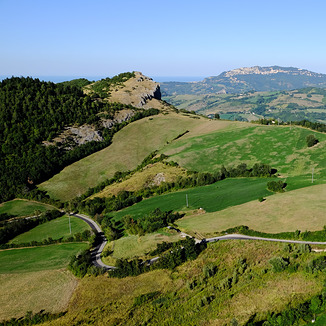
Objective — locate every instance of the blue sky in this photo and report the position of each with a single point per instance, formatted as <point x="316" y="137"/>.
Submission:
<point x="159" y="38"/>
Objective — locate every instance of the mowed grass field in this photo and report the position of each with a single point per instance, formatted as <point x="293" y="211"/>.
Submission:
<point x="36" y="278"/>
<point x="50" y="290"/>
<point x="211" y="198"/>
<point x="282" y="147"/>
<point x="22" y="207"/>
<point x="301" y="209"/>
<point x="56" y="229"/>
<point x="38" y="258"/>
<point x="128" y="149"/>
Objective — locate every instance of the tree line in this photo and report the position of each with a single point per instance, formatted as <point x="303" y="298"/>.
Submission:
<point x="32" y="111"/>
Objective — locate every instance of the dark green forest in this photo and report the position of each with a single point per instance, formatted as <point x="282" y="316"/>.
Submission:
<point x="32" y="111"/>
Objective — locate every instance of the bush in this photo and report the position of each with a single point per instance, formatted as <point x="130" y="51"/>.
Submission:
<point x="276" y="186"/>
<point x="279" y="264"/>
<point x="311" y="140"/>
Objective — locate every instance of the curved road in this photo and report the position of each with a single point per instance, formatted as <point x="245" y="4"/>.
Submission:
<point x="248" y="237"/>
<point x="96" y="252"/>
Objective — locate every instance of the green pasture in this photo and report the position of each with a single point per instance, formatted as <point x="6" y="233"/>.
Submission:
<point x="56" y="229"/>
<point x="211" y="198"/>
<point x="282" y="147"/>
<point x="22" y="207"/>
<point x="38" y="258"/>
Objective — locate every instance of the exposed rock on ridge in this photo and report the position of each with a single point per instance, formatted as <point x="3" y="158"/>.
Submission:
<point x="79" y="135"/>
<point x="140" y="91"/>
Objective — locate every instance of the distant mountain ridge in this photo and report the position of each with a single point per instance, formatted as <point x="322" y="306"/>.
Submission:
<point x="274" y="78"/>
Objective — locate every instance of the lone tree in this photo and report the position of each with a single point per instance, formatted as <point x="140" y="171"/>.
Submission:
<point x="217" y="116"/>
<point x="311" y="140"/>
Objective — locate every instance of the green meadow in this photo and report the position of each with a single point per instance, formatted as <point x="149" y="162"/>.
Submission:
<point x="22" y="207"/>
<point x="38" y="258"/>
<point x="56" y="229"/>
<point x="282" y="147"/>
<point x="211" y="198"/>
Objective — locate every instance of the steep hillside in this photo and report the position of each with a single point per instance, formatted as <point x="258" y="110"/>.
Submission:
<point x="129" y="147"/>
<point x="247" y="79"/>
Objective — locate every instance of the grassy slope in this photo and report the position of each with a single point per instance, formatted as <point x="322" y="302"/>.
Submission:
<point x="282" y="147"/>
<point x="258" y="290"/>
<point x="136" y="246"/>
<point x="211" y="198"/>
<point x="22" y="207"/>
<point x="302" y="209"/>
<point x="50" y="290"/>
<point x="56" y="229"/>
<point x="142" y="178"/>
<point x="130" y="146"/>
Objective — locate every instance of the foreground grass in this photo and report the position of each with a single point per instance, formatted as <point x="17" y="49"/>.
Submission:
<point x="22" y="207"/>
<point x="302" y="209"/>
<point x="255" y="291"/>
<point x="56" y="229"/>
<point x="211" y="198"/>
<point x="38" y="258"/>
<point x="50" y="290"/>
<point x="129" y="147"/>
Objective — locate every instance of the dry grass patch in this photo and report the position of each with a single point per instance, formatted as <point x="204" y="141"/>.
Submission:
<point x="151" y="175"/>
<point x="34" y="291"/>
<point x="302" y="209"/>
<point x="134" y="245"/>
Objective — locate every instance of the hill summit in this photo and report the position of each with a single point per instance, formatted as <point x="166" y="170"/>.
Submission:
<point x="274" y="78"/>
<point x="133" y="89"/>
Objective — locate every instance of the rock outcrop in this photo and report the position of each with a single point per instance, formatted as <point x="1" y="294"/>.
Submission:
<point x="140" y="91"/>
<point x="78" y="135"/>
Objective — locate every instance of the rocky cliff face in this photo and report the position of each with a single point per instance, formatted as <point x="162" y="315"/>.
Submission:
<point x="79" y="135"/>
<point x="139" y="91"/>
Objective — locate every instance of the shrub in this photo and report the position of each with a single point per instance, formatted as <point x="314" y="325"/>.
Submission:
<point x="278" y="264"/>
<point x="311" y="140"/>
<point x="276" y="186"/>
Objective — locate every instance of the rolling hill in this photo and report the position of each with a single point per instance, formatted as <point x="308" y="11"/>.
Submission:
<point x="212" y="287"/>
<point x="241" y="80"/>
